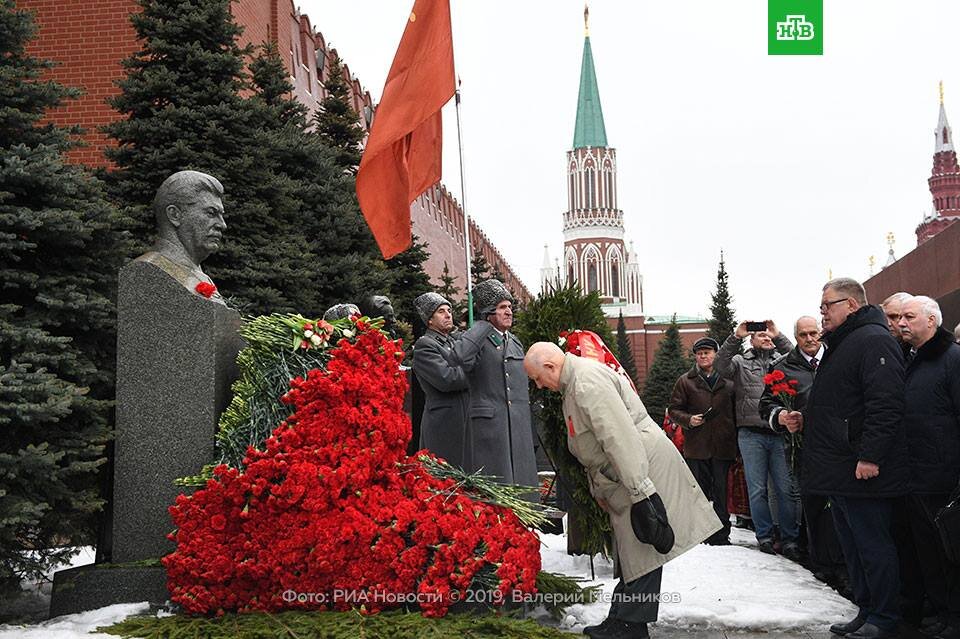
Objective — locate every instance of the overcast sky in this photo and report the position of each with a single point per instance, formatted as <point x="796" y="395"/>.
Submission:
<point x="794" y="165"/>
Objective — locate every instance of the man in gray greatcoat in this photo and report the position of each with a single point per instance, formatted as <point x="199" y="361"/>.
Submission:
<point x="500" y="419"/>
<point x="445" y="426"/>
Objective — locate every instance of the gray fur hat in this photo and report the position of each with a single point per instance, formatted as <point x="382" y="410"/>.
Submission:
<point x="428" y="303"/>
<point x="486" y="296"/>
<point x="340" y="311"/>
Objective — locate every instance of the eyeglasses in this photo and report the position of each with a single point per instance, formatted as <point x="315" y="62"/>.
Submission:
<point x="827" y="305"/>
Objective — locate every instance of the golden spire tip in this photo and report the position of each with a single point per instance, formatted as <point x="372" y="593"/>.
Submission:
<point x="941" y="91"/>
<point x="586" y="20"/>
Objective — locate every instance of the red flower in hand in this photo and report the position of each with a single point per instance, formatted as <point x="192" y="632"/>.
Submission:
<point x="206" y="289"/>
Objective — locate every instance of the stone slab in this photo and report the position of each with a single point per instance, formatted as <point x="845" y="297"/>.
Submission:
<point x="98" y="585"/>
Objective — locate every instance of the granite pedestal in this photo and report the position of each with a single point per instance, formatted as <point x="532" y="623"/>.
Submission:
<point x="176" y="360"/>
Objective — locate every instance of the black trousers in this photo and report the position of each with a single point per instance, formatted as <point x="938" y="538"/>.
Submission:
<point x="637" y="601"/>
<point x="925" y="570"/>
<point x="711" y="474"/>
<point x="864" y="530"/>
<point x="823" y="547"/>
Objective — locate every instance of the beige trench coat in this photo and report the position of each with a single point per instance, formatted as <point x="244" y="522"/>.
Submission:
<point x="628" y="458"/>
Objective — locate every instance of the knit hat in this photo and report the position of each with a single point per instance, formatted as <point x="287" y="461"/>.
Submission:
<point x="428" y="303"/>
<point x="706" y="342"/>
<point x="487" y="294"/>
<point x="340" y="311"/>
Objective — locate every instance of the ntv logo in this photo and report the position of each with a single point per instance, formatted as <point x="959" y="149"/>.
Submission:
<point x="795" y="28"/>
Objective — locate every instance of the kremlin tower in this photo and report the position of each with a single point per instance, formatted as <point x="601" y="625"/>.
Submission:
<point x="594" y="253"/>
<point x="944" y="181"/>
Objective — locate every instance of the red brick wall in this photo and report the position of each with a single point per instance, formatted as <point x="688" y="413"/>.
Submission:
<point x="645" y="339"/>
<point x="932" y="269"/>
<point x="87" y="39"/>
<point x="438" y="221"/>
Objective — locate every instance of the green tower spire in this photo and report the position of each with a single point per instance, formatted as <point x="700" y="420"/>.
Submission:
<point x="589" y="130"/>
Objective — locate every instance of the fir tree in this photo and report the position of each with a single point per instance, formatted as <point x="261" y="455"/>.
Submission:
<point x="449" y="289"/>
<point x="624" y="350"/>
<point x="59" y="253"/>
<point x="479" y="267"/>
<point x="336" y="121"/>
<point x="722" y="315"/>
<point x="407" y="279"/>
<point x="669" y="363"/>
<point x="563" y="309"/>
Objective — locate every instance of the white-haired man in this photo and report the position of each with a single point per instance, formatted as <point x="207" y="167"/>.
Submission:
<point x="892" y="307"/>
<point x="932" y="421"/>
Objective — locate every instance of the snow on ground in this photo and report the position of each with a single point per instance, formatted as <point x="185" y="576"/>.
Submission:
<point x="732" y="587"/>
<point x="75" y="626"/>
<point x="717" y="587"/>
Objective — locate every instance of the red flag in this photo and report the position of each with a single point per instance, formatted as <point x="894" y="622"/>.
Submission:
<point x="402" y="158"/>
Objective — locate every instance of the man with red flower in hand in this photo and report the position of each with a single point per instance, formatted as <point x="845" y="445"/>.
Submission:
<point x="189" y="211"/>
<point x="656" y="508"/>
<point x="798" y="369"/>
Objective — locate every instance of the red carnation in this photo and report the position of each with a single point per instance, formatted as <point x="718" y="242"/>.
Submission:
<point x="206" y="289"/>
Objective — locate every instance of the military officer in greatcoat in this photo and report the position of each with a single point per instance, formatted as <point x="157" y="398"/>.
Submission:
<point x="500" y="418"/>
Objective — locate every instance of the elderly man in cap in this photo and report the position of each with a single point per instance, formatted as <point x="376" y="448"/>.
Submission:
<point x="702" y="403"/>
<point x="657" y="511"/>
<point x="500" y="419"/>
<point x="438" y="364"/>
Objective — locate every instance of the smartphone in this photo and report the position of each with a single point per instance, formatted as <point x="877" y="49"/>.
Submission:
<point x="755" y="327"/>
<point x="709" y="414"/>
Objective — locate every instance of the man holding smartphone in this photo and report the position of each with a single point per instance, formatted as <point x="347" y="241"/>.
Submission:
<point x="762" y="449"/>
<point x="702" y="403"/>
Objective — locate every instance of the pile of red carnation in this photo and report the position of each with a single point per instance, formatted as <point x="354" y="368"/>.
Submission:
<point x="334" y="515"/>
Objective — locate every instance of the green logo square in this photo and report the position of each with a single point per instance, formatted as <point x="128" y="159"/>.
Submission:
<point x="795" y="27"/>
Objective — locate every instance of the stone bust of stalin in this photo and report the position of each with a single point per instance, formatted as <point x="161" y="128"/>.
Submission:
<point x="189" y="210"/>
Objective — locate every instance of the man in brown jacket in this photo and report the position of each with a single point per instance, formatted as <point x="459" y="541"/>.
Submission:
<point x="702" y="403"/>
<point x="657" y="511"/>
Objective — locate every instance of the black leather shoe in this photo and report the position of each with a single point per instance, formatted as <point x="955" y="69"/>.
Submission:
<point x="870" y="631"/>
<point x="618" y="629"/>
<point x="846" y="628"/>
<point x="767" y="547"/>
<point x="591" y="630"/>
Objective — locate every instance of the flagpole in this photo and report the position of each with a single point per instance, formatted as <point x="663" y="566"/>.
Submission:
<point x="466" y="216"/>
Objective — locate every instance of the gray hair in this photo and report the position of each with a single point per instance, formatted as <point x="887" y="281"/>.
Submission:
<point x="796" y="325"/>
<point x="899" y="298"/>
<point x="849" y="287"/>
<point x="928" y="307"/>
<point x="182" y="189"/>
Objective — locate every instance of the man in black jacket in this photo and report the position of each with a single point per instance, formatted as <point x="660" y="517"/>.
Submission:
<point x="853" y="449"/>
<point x="932" y="420"/>
<point x="800" y="364"/>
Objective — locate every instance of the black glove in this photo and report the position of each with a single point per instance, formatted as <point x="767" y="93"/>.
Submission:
<point x="650" y="525"/>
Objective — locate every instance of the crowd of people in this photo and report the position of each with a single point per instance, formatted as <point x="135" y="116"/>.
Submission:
<point x="857" y="459"/>
<point x="849" y="441"/>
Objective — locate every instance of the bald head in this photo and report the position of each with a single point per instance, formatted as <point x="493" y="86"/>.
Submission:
<point x="543" y="364"/>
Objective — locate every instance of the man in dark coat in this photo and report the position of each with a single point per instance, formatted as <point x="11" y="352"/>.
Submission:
<point x="762" y="449"/>
<point x="501" y="423"/>
<point x="932" y="422"/>
<point x="702" y="403"/>
<point x="853" y="449"/>
<point x="800" y="365"/>
<point x="437" y="365"/>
